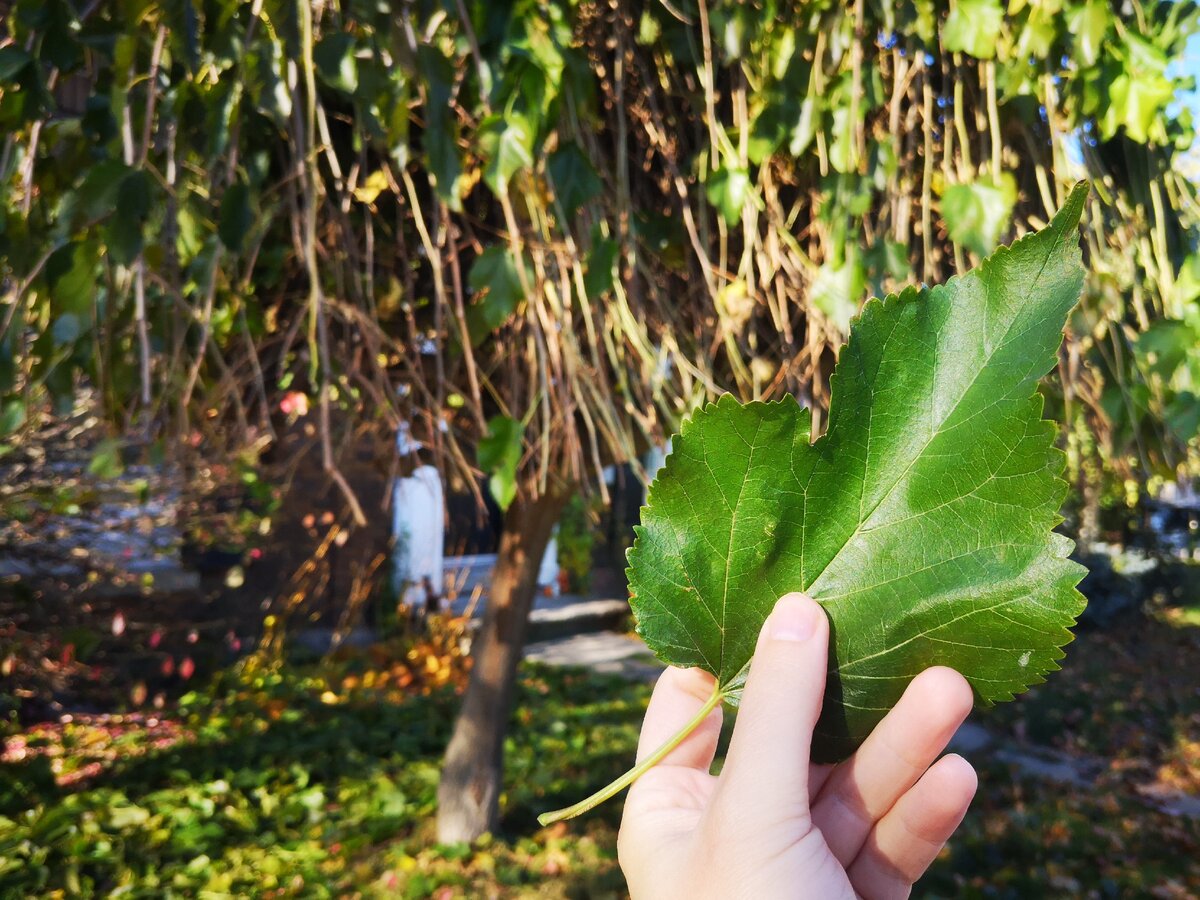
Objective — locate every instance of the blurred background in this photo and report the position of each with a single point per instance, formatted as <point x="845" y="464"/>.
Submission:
<point x="338" y="341"/>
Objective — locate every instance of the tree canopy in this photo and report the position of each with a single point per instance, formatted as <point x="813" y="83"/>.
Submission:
<point x="549" y="231"/>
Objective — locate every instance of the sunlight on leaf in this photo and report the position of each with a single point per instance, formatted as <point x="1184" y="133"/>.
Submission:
<point x="921" y="520"/>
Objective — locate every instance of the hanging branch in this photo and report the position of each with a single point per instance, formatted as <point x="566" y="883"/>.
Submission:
<point x="318" y="333"/>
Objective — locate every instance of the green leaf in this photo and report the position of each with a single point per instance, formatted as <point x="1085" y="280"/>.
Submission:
<point x="1165" y="345"/>
<point x="66" y="329"/>
<point x="886" y="259"/>
<point x="1036" y="38"/>
<point x="106" y="461"/>
<point x="124" y="231"/>
<point x="1138" y="93"/>
<point x="499" y="454"/>
<point x="1182" y="416"/>
<point x="599" y="278"/>
<point x="125" y="817"/>
<point x="274" y="97"/>
<point x="59" y="47"/>
<point x="648" y="30"/>
<point x="12" y="60"/>
<point x="494" y="276"/>
<point x="71" y="276"/>
<point x="728" y="187"/>
<point x="921" y="520"/>
<point x="1136" y="103"/>
<point x="1088" y="22"/>
<point x="575" y="181"/>
<point x="805" y="127"/>
<point x="440" y="138"/>
<point x="838" y="289"/>
<point x="1187" y="282"/>
<point x="972" y="27"/>
<point x="507" y="143"/>
<point x="96" y="196"/>
<point x="924" y="20"/>
<point x="12" y="417"/>
<point x="184" y="33"/>
<point x="977" y="213"/>
<point x="236" y="216"/>
<point x="335" y="62"/>
<point x="841" y="145"/>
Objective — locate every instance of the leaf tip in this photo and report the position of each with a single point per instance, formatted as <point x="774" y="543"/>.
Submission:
<point x="1069" y="214"/>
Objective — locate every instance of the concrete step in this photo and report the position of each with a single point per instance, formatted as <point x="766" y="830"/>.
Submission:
<point x="606" y="652"/>
<point x="578" y="617"/>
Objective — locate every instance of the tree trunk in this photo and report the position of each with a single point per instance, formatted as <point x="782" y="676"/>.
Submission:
<point x="473" y="770"/>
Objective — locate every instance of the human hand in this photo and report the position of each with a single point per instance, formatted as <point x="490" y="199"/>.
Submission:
<point x="772" y="825"/>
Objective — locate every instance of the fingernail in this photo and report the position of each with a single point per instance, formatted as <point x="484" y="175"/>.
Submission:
<point x="793" y="619"/>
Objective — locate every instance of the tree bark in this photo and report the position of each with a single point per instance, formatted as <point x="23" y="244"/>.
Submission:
<point x="473" y="769"/>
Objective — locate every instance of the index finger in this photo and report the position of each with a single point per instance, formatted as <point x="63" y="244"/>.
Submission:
<point x="678" y="697"/>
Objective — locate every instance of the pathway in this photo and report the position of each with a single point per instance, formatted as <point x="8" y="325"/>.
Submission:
<point x="613" y="653"/>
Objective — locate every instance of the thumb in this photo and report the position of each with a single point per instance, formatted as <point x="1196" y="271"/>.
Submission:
<point x="766" y="769"/>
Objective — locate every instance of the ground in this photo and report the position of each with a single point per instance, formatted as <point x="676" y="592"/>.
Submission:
<point x="320" y="780"/>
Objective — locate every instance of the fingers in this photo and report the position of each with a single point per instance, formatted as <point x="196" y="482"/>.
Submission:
<point x="909" y="837"/>
<point x="891" y="760"/>
<point x="766" y="771"/>
<point x="677" y="698"/>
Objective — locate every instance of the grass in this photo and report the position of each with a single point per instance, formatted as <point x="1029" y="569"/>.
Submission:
<point x="267" y="788"/>
<point x="305" y="783"/>
<point x="1127" y="705"/>
<point x="1128" y="697"/>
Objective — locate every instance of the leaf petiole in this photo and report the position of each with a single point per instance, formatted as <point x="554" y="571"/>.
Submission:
<point x="640" y="769"/>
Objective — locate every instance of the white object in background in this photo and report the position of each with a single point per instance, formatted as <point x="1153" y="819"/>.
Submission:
<point x="654" y="459"/>
<point x="404" y="440"/>
<point x="1180" y="493"/>
<point x="418" y="527"/>
<point x="548" y="570"/>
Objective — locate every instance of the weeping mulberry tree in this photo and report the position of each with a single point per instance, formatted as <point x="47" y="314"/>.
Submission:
<point x="544" y="232"/>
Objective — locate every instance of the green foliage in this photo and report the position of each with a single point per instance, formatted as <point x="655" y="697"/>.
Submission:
<point x="728" y="189"/>
<point x="106" y="462"/>
<point x="334" y="57"/>
<point x="973" y="27"/>
<point x="921" y="519"/>
<point x="576" y="182"/>
<point x="268" y="787"/>
<point x="134" y="202"/>
<point x="576" y="540"/>
<point x="159" y="161"/>
<point x="12" y="417"/>
<point x="494" y="276"/>
<point x="507" y="144"/>
<point x="499" y="456"/>
<point x="976" y="214"/>
<point x="1138" y="92"/>
<point x="837" y="288"/>
<point x="235" y="217"/>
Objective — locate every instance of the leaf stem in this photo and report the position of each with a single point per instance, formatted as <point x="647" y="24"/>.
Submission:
<point x="640" y="769"/>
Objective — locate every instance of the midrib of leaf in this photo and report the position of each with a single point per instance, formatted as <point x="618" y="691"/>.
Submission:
<point x="937" y="431"/>
<point x="753" y="445"/>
